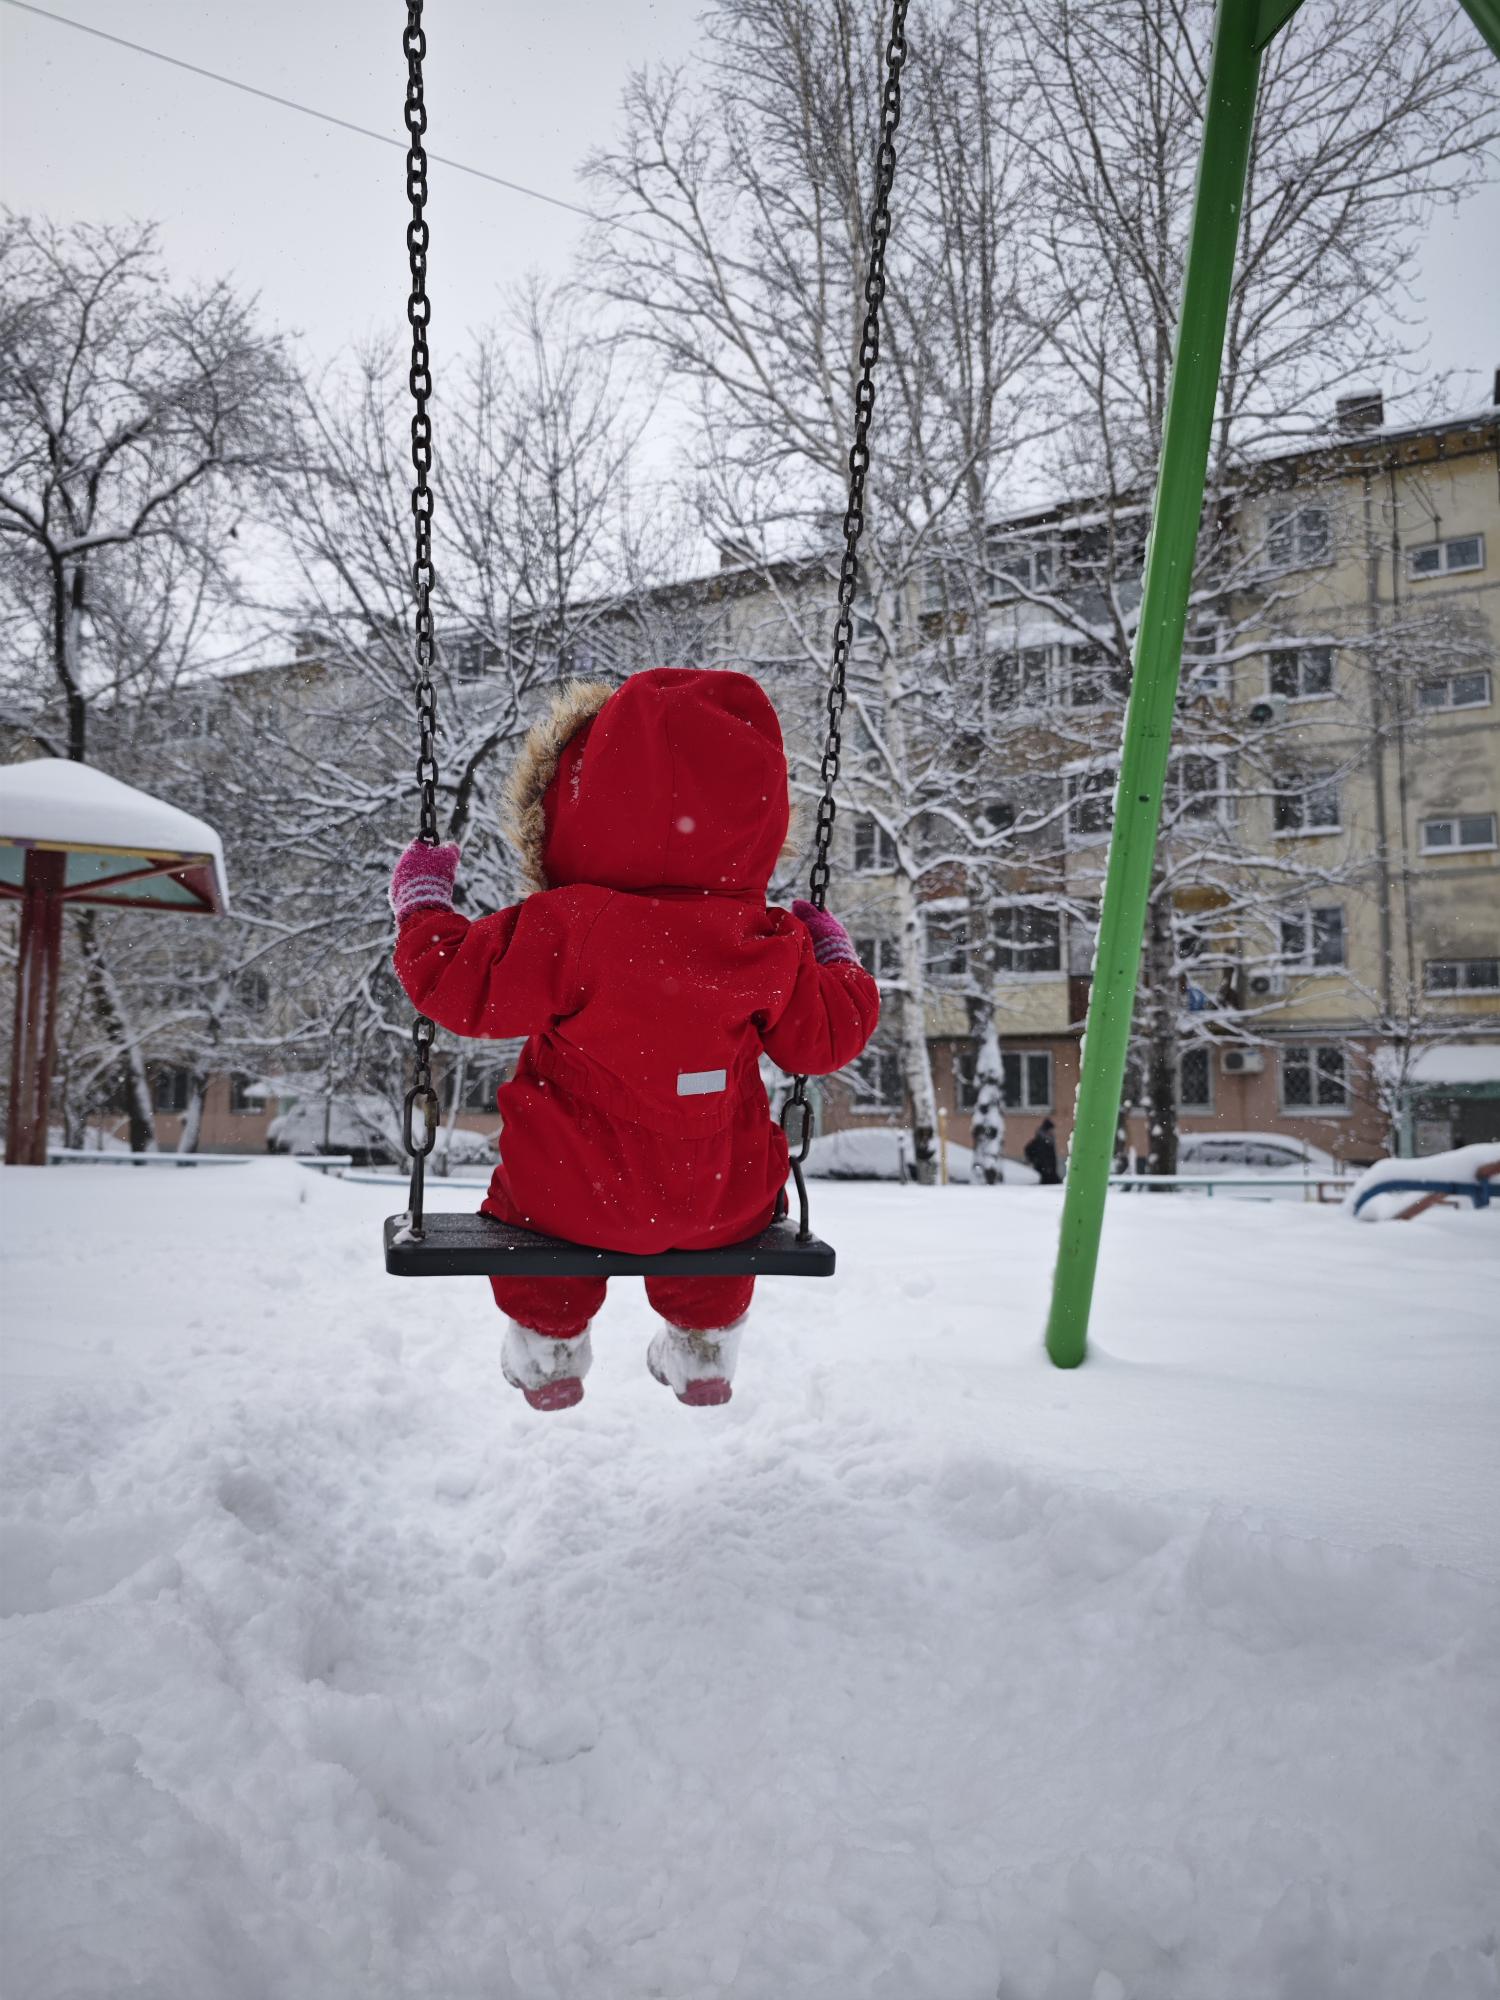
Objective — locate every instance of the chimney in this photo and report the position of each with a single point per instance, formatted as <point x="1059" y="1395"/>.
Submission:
<point x="1364" y="410"/>
<point x="1495" y="399"/>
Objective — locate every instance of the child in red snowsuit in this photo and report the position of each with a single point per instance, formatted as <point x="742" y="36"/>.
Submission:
<point x="648" y="973"/>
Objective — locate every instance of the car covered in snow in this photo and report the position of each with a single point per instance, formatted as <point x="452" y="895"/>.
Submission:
<point x="1252" y="1152"/>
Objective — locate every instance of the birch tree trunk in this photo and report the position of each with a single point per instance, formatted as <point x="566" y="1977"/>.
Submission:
<point x="989" y="1106"/>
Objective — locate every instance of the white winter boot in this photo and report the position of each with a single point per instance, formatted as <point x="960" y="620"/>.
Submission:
<point x="697" y="1367"/>
<point x="548" y="1372"/>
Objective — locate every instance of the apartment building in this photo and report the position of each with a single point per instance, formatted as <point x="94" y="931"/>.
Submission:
<point x="1329" y="836"/>
<point x="1329" y="893"/>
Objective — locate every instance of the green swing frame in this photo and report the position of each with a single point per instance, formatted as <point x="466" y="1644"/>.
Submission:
<point x="1243" y="30"/>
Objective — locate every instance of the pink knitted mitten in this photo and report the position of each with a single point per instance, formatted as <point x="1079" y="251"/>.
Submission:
<point x="423" y="879"/>
<point x="831" y="942"/>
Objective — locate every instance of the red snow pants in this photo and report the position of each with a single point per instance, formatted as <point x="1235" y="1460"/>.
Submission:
<point x="563" y="1307"/>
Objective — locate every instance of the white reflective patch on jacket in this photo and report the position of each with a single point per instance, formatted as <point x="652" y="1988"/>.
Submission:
<point x="701" y="1082"/>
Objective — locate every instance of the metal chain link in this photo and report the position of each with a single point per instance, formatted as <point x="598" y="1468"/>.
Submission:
<point x="854" y="521"/>
<point x="421" y="1096"/>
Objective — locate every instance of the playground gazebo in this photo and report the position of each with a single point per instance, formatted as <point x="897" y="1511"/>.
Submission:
<point x="71" y="834"/>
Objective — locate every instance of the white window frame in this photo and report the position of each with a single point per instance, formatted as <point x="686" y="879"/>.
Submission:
<point x="1086" y="660"/>
<point x="1174" y="799"/>
<point x="1009" y="945"/>
<point x="1032" y="668"/>
<point x="1023" y="1059"/>
<point x="879" y="955"/>
<point x="1446" y="566"/>
<point x="1204" y="1107"/>
<point x="1007" y="560"/>
<point x="170" y="1081"/>
<point x="886" y="1063"/>
<point x="1461" y="984"/>
<point x="882" y="840"/>
<point x="240" y="1104"/>
<point x="1293" y="517"/>
<point x="1306" y="960"/>
<point x="1447" y="683"/>
<point x="1077" y="795"/>
<point x="1299" y="655"/>
<point x="1301" y="786"/>
<point x="1455" y="845"/>
<point x="956" y="945"/>
<point x="1313" y="1051"/>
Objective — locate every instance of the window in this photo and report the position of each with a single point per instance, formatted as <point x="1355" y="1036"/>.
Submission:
<point x="1202" y="668"/>
<point x="1298" y="537"/>
<point x="1313" y="1078"/>
<point x="1307" y="802"/>
<point x="254" y="990"/>
<point x="874" y="846"/>
<point x="1459" y="552"/>
<point x="1463" y="975"/>
<point x="997" y="816"/>
<point x="468" y="658"/>
<point x="1027" y="939"/>
<point x="1020" y="679"/>
<point x="947" y="943"/>
<point x="1019" y="566"/>
<point x="1301" y="673"/>
<point x="1195" y="1088"/>
<point x="480" y="1086"/>
<point x="877" y="1083"/>
<point x="1312" y="938"/>
<point x="171" y="1086"/>
<point x="241" y="1103"/>
<point x="1091" y="676"/>
<point x="1445" y="836"/>
<point x="1091" y="803"/>
<point x="1028" y="1079"/>
<point x="1195" y="787"/>
<point x="880" y="955"/>
<point x="1471" y="690"/>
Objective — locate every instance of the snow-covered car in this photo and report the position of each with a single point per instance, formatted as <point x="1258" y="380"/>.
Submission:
<point x="1251" y="1152"/>
<point x="1275" y="1157"/>
<point x="884" y="1153"/>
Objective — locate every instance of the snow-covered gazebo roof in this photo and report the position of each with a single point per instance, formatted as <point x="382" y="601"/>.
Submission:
<point x="124" y="848"/>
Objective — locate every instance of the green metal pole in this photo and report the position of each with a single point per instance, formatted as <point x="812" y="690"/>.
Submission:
<point x="1234" y="73"/>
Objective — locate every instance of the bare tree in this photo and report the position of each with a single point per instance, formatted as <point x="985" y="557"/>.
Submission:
<point x="739" y="195"/>
<point x="538" y="552"/>
<point x="1369" y="115"/>
<point x="135" y="420"/>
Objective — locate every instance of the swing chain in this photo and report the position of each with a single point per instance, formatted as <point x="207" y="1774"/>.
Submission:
<point x="419" y="316"/>
<point x="854" y="521"/>
<point x="421" y="1097"/>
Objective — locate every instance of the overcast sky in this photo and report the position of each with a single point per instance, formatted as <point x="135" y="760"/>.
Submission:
<point x="311" y="217"/>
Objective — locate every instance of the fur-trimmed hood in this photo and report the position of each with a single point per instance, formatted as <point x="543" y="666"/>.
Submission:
<point x="676" y="779"/>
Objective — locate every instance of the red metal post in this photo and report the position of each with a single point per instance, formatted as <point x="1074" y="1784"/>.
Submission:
<point x="35" y="1039"/>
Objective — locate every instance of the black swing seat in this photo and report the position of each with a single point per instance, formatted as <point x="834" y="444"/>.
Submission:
<point x="461" y="1245"/>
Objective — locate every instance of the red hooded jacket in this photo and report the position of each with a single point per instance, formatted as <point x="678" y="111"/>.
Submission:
<point x="648" y="973"/>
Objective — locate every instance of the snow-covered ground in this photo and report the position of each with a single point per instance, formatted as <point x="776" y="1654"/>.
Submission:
<point x="920" y="1672"/>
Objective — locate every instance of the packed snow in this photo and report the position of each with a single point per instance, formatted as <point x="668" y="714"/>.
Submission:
<point x="918" y="1672"/>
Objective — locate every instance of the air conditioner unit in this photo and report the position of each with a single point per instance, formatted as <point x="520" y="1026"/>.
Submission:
<point x="1242" y="1062"/>
<point x="1270" y="708"/>
<point x="1266" y="985"/>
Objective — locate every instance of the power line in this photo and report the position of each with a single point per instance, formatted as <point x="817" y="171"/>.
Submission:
<point x="307" y="110"/>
